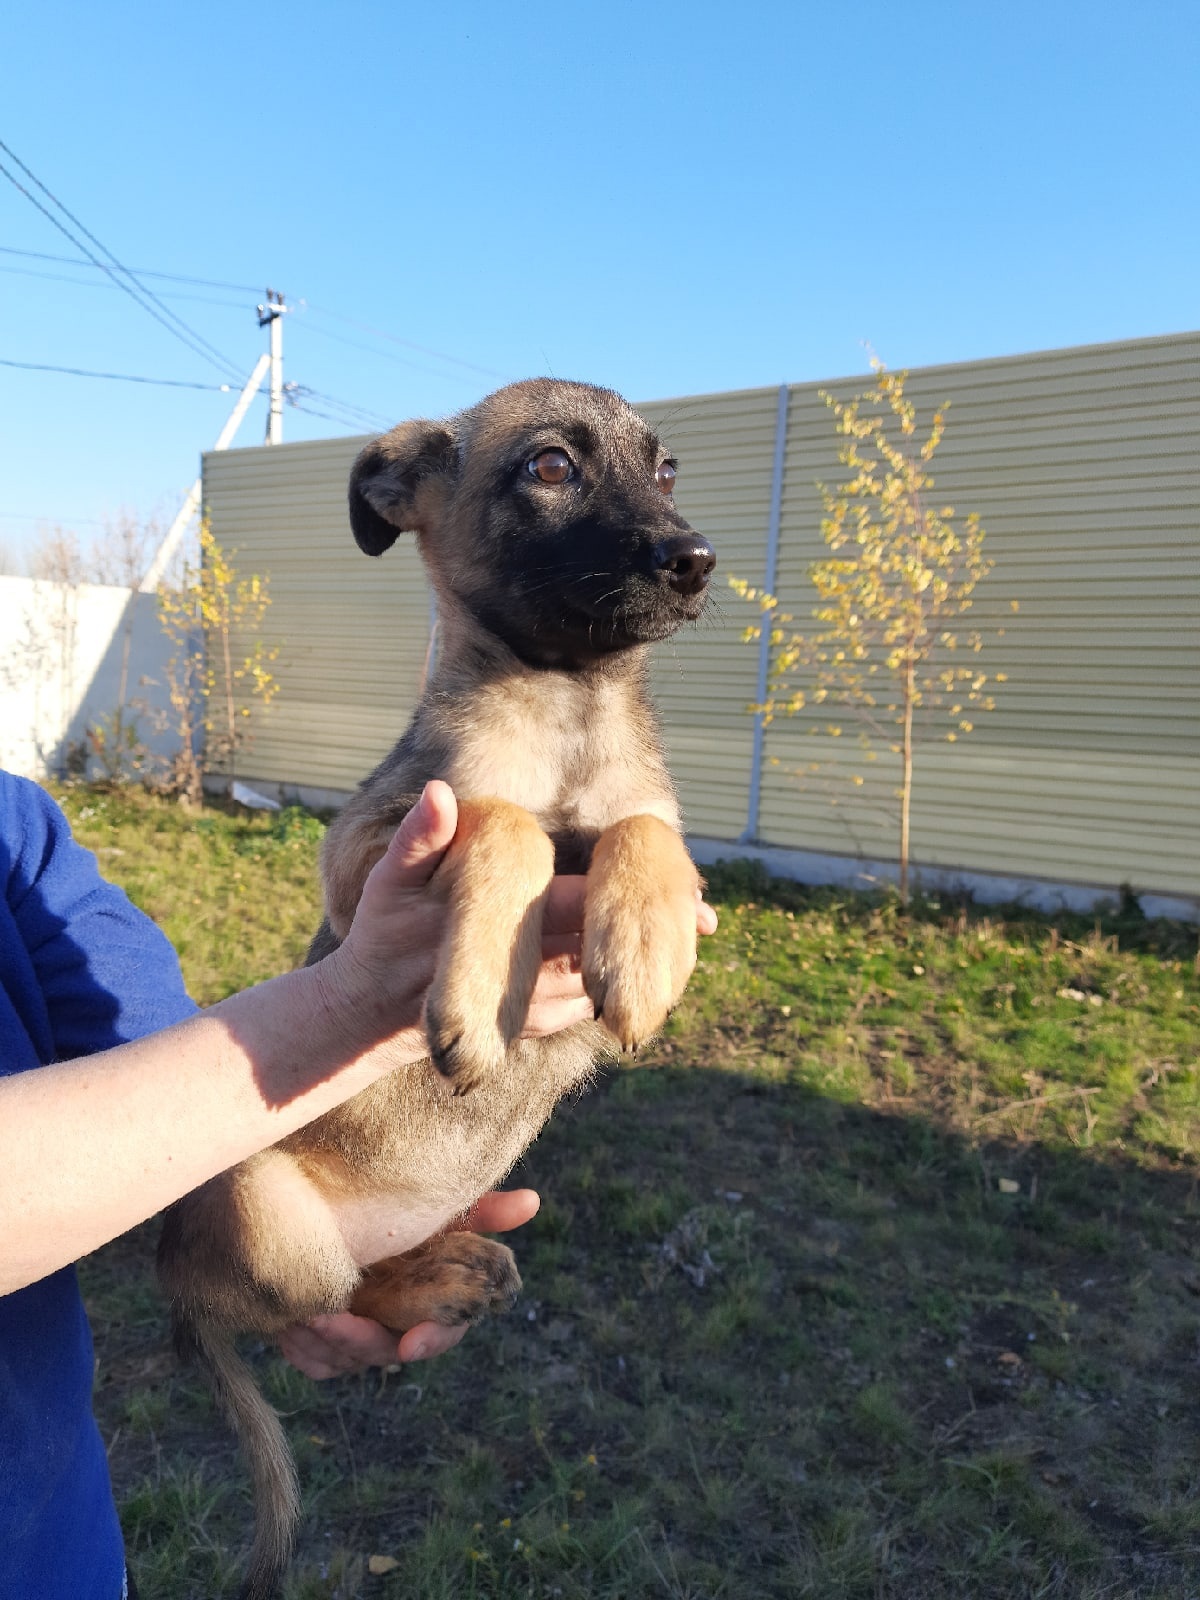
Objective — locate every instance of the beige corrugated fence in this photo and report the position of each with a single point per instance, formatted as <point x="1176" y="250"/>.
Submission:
<point x="1083" y="466"/>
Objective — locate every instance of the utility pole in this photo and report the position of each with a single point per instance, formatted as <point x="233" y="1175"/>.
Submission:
<point x="166" y="551"/>
<point x="271" y="315"/>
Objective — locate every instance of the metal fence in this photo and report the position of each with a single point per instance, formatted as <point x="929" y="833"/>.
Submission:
<point x="1083" y="466"/>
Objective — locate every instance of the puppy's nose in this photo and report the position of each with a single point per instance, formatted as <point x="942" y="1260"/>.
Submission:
<point x="687" y="562"/>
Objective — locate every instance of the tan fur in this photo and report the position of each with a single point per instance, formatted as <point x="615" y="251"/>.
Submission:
<point x="495" y="878"/>
<point x="451" y="1279"/>
<point x="345" y="870"/>
<point x="639" y="941"/>
<point x="537" y="714"/>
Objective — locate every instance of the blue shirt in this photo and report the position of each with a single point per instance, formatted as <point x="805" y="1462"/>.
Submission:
<point x="81" y="970"/>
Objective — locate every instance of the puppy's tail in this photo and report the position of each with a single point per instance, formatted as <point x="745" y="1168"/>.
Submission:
<point x="264" y="1444"/>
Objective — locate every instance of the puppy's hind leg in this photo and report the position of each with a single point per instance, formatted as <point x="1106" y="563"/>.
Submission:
<point x="453" y="1278"/>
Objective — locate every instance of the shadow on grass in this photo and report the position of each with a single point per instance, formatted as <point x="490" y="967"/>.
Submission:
<point x="770" y="1345"/>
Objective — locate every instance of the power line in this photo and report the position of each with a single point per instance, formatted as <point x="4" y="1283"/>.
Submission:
<point x="323" y="311"/>
<point x="386" y="355"/>
<point x="342" y="422"/>
<point x="183" y="329"/>
<point x="425" y="350"/>
<point x="351" y="415"/>
<point x="298" y="396"/>
<point x="119" y="377"/>
<point x="137" y="292"/>
<point x="142" y="272"/>
<point x="351" y="407"/>
<point x="96" y="283"/>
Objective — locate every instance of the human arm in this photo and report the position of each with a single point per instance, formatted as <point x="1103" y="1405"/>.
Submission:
<point x="89" y="1147"/>
<point x="331" y="1346"/>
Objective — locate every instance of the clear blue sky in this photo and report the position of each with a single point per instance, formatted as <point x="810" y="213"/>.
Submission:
<point x="666" y="198"/>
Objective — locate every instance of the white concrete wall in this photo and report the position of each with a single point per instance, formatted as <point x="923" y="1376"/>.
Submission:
<point x="61" y="652"/>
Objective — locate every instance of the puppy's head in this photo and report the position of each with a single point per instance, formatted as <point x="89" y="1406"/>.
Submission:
<point x="547" y="511"/>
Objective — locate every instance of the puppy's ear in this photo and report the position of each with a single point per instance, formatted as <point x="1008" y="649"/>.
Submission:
<point x="398" y="482"/>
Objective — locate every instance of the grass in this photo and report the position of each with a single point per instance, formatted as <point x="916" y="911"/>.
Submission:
<point x="879" y="1276"/>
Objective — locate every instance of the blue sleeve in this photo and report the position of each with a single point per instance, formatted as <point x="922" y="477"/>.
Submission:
<point x="106" y="973"/>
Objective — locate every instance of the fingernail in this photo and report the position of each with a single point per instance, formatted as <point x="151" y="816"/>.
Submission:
<point x="420" y="1353"/>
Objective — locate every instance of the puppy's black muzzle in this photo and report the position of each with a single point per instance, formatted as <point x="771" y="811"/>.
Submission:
<point x="686" y="562"/>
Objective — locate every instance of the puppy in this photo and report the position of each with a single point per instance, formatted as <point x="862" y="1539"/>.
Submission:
<point x="545" y="517"/>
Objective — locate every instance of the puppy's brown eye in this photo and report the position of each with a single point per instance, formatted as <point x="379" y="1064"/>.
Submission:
<point x="665" y="477"/>
<point x="552" y="466"/>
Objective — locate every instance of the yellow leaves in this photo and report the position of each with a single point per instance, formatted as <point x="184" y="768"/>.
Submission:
<point x="212" y="619"/>
<point x="900" y="570"/>
<point x="378" y="1565"/>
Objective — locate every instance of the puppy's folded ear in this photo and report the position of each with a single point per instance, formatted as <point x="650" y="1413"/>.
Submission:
<point x="398" y="481"/>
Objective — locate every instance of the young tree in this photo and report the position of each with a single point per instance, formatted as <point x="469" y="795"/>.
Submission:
<point x="892" y="598"/>
<point x="211" y="677"/>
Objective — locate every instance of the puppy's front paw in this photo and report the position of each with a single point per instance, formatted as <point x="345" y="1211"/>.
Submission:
<point x="636" y="964"/>
<point x="465" y="1045"/>
<point x="639" y="929"/>
<point x="495" y="878"/>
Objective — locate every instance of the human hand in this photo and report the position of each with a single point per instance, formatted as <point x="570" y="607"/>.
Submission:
<point x="330" y="1346"/>
<point x="380" y="974"/>
<point x="559" y="998"/>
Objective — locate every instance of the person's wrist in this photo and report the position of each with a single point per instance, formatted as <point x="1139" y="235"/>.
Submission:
<point x="357" y="1011"/>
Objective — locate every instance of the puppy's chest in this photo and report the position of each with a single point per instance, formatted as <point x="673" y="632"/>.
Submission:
<point x="577" y="767"/>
